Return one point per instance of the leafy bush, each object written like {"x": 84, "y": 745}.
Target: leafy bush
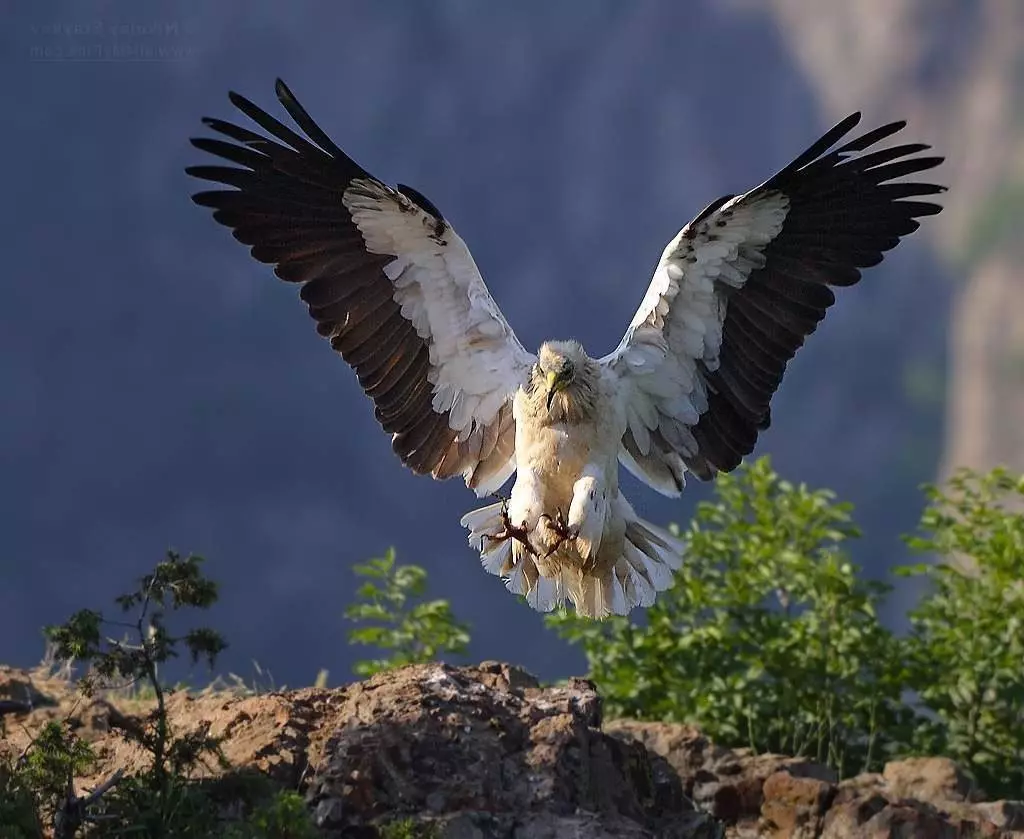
{"x": 770, "y": 638}
{"x": 34, "y": 788}
{"x": 284, "y": 816}
{"x": 966, "y": 646}
{"x": 413, "y": 629}
{"x": 407, "y": 828}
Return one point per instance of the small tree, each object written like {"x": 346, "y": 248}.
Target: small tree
{"x": 768, "y": 638}
{"x": 152, "y": 801}
{"x": 966, "y": 645}
{"x": 413, "y": 629}
{"x": 164, "y": 799}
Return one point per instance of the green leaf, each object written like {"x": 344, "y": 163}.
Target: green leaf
{"x": 398, "y": 621}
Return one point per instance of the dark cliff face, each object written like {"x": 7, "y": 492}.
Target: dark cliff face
{"x": 162, "y": 389}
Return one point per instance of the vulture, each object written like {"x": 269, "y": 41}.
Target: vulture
{"x": 395, "y": 290}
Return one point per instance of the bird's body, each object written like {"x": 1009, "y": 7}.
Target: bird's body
{"x": 733, "y": 297}
{"x": 580, "y": 538}
{"x": 558, "y": 446}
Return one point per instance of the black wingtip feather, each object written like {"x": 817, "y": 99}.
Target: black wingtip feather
{"x": 872, "y": 137}
{"x": 825, "y": 142}
{"x": 305, "y": 121}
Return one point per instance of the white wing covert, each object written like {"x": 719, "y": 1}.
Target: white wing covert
{"x": 389, "y": 283}
{"x": 739, "y": 289}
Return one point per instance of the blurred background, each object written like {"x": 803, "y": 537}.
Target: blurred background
{"x": 158, "y": 388}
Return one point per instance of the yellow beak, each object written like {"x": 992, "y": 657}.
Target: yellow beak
{"x": 554, "y": 385}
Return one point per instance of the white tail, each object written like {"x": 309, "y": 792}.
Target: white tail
{"x": 648, "y": 559}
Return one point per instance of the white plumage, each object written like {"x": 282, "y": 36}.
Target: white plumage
{"x": 397, "y": 293}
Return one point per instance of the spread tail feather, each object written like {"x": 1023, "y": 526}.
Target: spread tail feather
{"x": 646, "y": 565}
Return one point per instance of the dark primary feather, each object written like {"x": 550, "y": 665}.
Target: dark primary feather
{"x": 844, "y": 214}
{"x": 286, "y": 204}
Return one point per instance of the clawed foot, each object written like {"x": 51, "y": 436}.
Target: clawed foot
{"x": 560, "y": 527}
{"x": 511, "y": 531}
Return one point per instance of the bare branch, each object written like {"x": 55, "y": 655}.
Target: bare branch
{"x": 74, "y": 811}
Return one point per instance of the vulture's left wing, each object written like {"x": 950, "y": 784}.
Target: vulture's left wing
{"x": 741, "y": 287}
{"x": 389, "y": 283}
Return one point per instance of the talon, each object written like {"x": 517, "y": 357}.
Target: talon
{"x": 511, "y": 531}
{"x": 561, "y": 529}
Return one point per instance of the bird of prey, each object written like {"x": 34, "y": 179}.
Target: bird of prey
{"x": 395, "y": 290}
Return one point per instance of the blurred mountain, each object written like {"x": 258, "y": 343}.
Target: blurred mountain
{"x": 956, "y": 68}
{"x": 162, "y": 389}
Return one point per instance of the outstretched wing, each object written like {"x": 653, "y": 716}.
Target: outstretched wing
{"x": 388, "y": 282}
{"x": 741, "y": 287}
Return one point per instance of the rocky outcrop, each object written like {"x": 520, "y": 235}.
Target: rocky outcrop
{"x": 777, "y": 796}
{"x": 480, "y": 752}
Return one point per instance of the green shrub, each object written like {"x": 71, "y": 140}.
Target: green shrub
{"x": 769, "y": 637}
{"x": 34, "y": 787}
{"x": 966, "y": 646}
{"x": 412, "y": 629}
{"x": 19, "y": 808}
{"x": 407, "y": 828}
{"x": 284, "y": 816}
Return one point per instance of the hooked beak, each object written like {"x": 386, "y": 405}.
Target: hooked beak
{"x": 554, "y": 385}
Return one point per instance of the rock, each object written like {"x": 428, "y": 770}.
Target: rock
{"x": 726, "y": 783}
{"x": 683, "y": 746}
{"x": 936, "y": 780}
{"x": 860, "y": 786}
{"x": 1007, "y": 815}
{"x": 794, "y": 806}
{"x": 919, "y": 819}
{"x": 487, "y": 753}
{"x": 441, "y": 740}
{"x": 847, "y": 819}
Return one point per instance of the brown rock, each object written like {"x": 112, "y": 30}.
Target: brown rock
{"x": 873, "y": 816}
{"x": 846, "y": 820}
{"x": 861, "y": 786}
{"x": 920, "y": 820}
{"x": 910, "y": 819}
{"x": 731, "y": 787}
{"x": 1007, "y": 815}
{"x": 936, "y": 780}
{"x": 683, "y": 746}
{"x": 442, "y": 740}
{"x": 727, "y": 783}
{"x": 794, "y": 806}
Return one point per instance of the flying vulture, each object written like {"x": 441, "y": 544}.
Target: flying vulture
{"x": 395, "y": 290}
